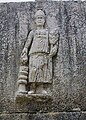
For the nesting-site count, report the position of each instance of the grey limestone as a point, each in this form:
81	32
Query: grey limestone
69	64
45	116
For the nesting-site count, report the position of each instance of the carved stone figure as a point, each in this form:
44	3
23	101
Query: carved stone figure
36	57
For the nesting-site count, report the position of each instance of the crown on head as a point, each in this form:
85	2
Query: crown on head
39	13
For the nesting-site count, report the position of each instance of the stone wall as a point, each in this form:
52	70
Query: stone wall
69	65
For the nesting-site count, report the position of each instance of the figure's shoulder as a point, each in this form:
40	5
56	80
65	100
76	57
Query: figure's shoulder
31	32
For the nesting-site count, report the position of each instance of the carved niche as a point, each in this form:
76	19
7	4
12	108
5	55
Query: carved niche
36	58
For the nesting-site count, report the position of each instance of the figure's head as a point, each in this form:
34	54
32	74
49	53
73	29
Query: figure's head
40	18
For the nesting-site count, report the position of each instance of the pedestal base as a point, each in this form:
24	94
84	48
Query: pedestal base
45	116
34	102
32	97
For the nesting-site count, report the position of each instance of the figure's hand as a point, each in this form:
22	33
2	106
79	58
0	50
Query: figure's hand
24	60
53	51
24	57
24	52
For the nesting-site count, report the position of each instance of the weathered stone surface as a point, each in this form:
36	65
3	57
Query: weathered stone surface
69	81
45	116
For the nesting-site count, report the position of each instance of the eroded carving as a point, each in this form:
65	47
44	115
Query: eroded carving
36	57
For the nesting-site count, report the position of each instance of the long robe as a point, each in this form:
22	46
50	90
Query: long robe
39	61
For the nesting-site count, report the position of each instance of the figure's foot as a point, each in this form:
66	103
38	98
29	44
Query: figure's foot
31	92
76	109
44	92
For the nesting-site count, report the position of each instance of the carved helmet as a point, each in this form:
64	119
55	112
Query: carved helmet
39	13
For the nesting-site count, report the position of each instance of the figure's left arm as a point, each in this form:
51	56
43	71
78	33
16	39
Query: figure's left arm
54	42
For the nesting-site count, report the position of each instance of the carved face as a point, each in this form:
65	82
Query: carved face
40	20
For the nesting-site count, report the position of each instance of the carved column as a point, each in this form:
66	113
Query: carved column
22	79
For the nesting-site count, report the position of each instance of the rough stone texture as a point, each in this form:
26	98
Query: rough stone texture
45	116
69	83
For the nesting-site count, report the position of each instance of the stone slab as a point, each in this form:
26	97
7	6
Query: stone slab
45	116
69	81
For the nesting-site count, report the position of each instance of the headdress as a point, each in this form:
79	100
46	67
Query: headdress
39	13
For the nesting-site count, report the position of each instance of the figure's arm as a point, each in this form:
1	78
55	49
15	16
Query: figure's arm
54	41
24	54
53	50
28	42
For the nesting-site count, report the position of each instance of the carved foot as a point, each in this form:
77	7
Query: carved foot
44	92
31	92
76	109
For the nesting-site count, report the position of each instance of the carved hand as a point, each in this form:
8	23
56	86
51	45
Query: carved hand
53	51
24	57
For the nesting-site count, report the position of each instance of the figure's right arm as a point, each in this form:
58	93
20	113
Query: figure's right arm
28	42
24	54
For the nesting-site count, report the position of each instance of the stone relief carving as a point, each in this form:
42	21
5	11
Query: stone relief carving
36	57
